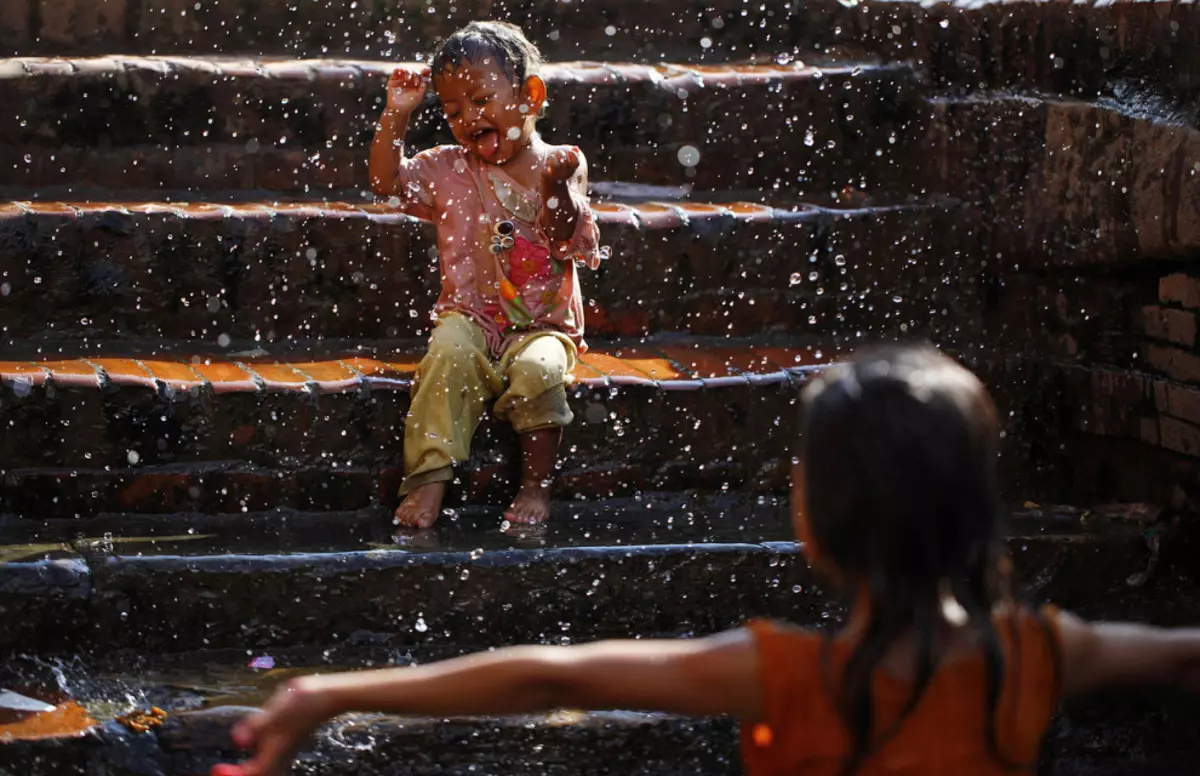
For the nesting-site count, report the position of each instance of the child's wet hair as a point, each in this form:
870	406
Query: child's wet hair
502	42
902	501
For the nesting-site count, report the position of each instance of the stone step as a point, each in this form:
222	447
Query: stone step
204	695
162	435
191	742
248	585
615	29
1143	53
282	271
307	125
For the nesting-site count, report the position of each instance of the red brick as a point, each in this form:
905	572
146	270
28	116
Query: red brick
1150	431
1179	436
1175	363
1178	326
1180	289
1178	401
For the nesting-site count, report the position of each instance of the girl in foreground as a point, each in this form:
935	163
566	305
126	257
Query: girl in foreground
937	671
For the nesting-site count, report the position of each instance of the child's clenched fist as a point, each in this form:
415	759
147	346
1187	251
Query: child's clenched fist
561	164
406	89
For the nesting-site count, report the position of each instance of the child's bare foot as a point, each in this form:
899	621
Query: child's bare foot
532	504
421	506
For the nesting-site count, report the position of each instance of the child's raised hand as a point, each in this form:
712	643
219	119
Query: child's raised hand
406	89
561	164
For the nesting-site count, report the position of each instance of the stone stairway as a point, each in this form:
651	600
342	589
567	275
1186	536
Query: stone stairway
208	329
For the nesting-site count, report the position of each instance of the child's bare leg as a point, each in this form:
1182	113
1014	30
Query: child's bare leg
421	506
539	454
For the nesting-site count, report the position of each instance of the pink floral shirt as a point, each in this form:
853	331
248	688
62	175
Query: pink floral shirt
498	264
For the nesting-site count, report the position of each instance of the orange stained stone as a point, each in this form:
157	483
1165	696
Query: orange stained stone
280	374
700	208
172	372
122	367
700	362
10	209
613	366
652	207
195	208
75	367
20	368
341	207
324	371
652	362
748	208
49	207
221	372
397	367
68	720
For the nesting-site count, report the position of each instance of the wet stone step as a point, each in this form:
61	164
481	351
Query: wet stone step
616	29
190	743
78	442
97	596
306	125
274	271
204	694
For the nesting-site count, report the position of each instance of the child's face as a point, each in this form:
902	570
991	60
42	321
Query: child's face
489	114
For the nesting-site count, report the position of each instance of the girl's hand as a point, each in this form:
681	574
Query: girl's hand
275	734
560	166
406	89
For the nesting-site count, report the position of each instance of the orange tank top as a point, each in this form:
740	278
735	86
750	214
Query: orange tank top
802	733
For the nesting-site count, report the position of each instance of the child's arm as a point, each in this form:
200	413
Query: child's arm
405	91
1104	654
716	675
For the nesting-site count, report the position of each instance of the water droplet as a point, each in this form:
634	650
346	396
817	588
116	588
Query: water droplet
514	133
689	156
610	30
5	289
420	625
783	58
796	279
809	138
224	340
133	457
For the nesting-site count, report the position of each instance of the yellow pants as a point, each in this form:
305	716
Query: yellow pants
457	378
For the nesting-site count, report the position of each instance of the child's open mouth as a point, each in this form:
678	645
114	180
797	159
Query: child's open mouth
487	141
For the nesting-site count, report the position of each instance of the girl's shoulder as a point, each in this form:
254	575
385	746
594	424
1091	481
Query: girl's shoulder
780	644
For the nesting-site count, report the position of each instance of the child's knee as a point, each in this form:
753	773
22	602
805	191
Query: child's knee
530	377
542	366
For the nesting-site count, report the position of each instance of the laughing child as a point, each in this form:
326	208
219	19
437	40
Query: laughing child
512	221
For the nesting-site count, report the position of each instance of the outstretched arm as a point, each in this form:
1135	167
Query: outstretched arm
1105	654
716	675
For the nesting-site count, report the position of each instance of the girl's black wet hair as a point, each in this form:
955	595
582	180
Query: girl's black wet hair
502	42
902	498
